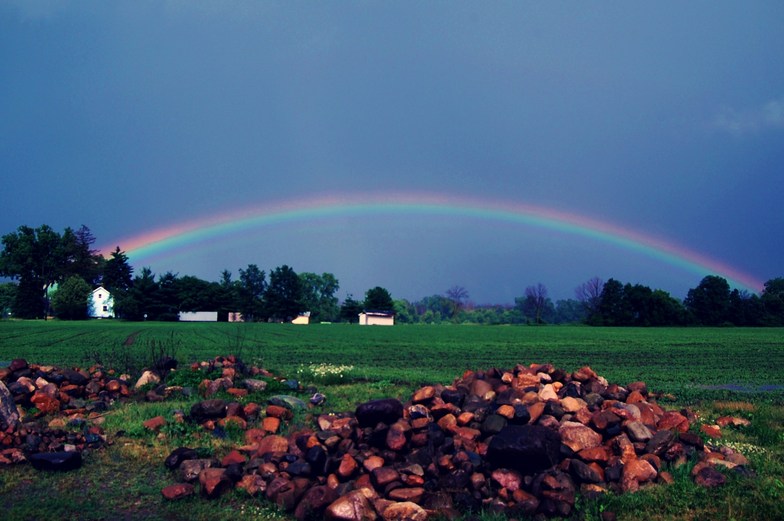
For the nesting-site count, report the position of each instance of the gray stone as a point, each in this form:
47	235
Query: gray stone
58	461
387	410
9	415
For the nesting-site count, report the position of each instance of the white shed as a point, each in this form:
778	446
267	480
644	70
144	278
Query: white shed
101	304
376	318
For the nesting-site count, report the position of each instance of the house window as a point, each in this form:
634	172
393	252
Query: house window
100	296
106	308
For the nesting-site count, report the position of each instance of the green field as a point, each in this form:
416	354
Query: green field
714	371
685	361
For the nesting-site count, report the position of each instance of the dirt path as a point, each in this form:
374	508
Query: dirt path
131	339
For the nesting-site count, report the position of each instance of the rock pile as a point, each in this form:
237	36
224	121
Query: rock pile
527	440
76	398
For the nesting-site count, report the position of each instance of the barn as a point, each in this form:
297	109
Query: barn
376	318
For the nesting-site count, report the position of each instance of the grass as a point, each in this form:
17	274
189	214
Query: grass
716	371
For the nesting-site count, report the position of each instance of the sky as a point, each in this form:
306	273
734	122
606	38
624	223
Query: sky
658	122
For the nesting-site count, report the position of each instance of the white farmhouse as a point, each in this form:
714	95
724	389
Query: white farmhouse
100	304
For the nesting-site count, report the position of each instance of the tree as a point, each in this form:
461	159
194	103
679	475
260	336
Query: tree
7	298
613	307
458	295
36	258
773	301
117	272
569	311
250	292
284	294
709	302
379	299
141	301
350	309
589	294
318	296
70	301
536	306
79	256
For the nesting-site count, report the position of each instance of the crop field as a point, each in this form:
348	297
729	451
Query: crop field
683	361
715	372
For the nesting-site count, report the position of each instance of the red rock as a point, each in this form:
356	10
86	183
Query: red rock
348	465
598	454
372	463
155	424
734	421
535	410
396	436
253	484
236	421
602	419
578	437
635	397
254	435
424	394
525	501
635	472
714	431
239	393
232	458
270	424
45	403
465	418
177	491
508	479
213	482
271	444
672	420
584	374
405	494
280	412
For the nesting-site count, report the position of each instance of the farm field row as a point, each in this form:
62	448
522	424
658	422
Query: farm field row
672	360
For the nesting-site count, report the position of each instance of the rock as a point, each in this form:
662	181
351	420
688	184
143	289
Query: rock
353	506
525	448
177	491
9	415
406	494
404	511
290	402
178	455
660	442
578	437
190	469
17	364
635	472
508	479
314	502
637	431
254	386
57	461
387	410
709	477
154	424
732	420
270	444
208	410
147	378
252	484
213	482
712	431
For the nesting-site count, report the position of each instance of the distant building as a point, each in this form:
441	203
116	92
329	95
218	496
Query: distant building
376	318
101	304
198	316
235	316
302	318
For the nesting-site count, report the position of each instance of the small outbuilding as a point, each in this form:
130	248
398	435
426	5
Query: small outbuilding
100	304
198	316
376	318
302	318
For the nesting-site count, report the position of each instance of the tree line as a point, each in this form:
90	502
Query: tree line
41	259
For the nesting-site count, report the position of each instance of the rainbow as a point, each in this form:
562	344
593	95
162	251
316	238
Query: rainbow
169	240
